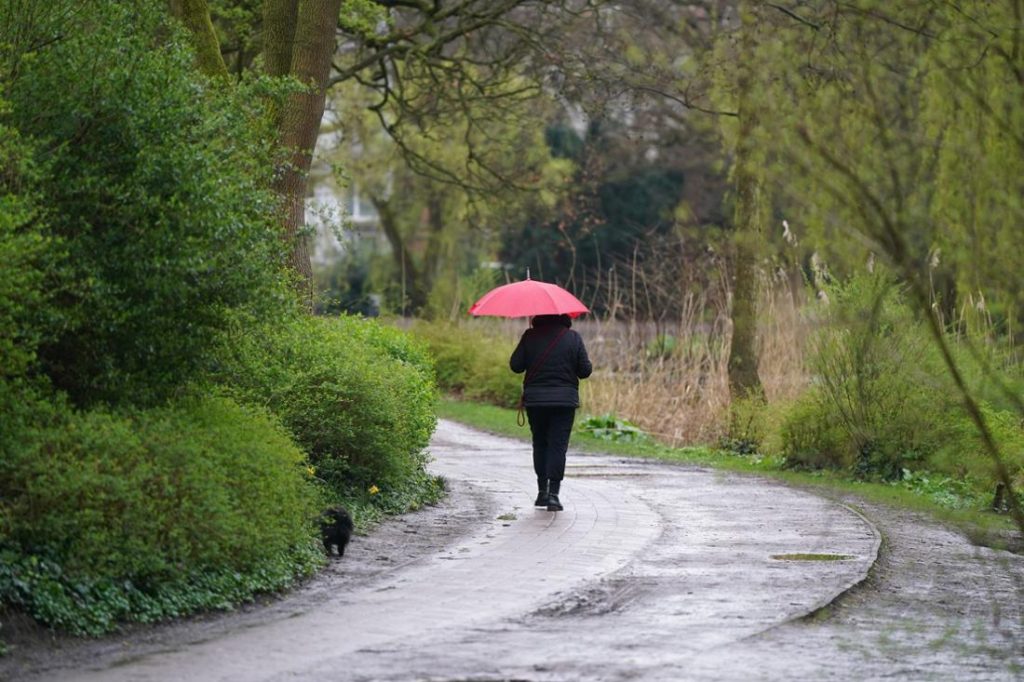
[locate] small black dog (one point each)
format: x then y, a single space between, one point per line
336 529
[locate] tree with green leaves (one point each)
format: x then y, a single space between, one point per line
148 189
896 128
413 54
748 220
299 41
440 220
695 61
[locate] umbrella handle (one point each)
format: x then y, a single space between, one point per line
520 417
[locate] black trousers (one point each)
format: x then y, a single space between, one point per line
551 428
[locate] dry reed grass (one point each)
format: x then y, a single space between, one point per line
681 397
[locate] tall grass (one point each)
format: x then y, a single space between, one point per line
669 375
671 379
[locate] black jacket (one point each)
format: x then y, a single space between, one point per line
556 381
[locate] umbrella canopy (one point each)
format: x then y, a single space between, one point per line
526 299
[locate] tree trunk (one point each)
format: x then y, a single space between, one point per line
299 124
413 296
299 40
743 378
435 240
195 14
279 18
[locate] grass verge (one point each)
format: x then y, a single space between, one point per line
980 526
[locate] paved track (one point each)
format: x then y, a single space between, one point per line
647 565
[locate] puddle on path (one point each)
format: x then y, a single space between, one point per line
813 557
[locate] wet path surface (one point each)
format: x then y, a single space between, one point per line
649 567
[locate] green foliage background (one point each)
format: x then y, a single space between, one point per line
356 395
880 405
105 511
156 185
897 140
471 363
171 424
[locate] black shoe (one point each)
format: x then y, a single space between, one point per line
542 493
553 503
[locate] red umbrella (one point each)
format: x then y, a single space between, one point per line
526 299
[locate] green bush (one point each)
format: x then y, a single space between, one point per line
157 184
882 405
452 355
611 427
25 253
111 515
471 363
357 396
811 437
749 425
964 454
878 403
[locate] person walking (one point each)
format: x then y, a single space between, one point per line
554 359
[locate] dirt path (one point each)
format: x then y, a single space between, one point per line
653 572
